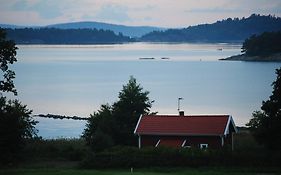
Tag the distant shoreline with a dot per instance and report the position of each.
(242, 57)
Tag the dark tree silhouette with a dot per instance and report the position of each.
(262, 45)
(114, 125)
(100, 129)
(16, 124)
(266, 124)
(133, 101)
(7, 57)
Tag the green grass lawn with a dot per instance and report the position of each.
(166, 171)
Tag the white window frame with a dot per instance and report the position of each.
(204, 146)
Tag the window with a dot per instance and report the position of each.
(203, 146)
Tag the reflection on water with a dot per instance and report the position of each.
(129, 52)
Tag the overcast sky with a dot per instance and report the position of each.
(162, 13)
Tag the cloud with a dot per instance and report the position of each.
(45, 9)
(114, 13)
(212, 10)
(163, 13)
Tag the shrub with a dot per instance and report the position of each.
(56, 149)
(126, 157)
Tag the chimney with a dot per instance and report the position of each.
(181, 113)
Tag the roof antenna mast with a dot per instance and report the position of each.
(179, 99)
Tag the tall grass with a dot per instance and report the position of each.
(56, 149)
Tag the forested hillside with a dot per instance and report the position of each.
(132, 31)
(67, 36)
(228, 30)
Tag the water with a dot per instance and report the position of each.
(77, 79)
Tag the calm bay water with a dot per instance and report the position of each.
(77, 79)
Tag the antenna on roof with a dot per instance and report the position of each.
(179, 99)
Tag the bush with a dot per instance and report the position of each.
(16, 127)
(57, 149)
(126, 157)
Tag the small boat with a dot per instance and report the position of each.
(165, 58)
(146, 58)
(219, 49)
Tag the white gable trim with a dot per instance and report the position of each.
(183, 143)
(138, 124)
(229, 121)
(156, 145)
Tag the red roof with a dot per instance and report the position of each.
(182, 125)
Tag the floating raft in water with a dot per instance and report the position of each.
(147, 58)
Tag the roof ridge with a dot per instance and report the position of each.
(200, 115)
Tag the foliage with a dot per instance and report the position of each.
(65, 36)
(126, 157)
(262, 45)
(228, 30)
(16, 125)
(54, 150)
(133, 101)
(151, 171)
(7, 56)
(266, 125)
(114, 125)
(100, 129)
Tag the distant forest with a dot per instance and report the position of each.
(263, 45)
(65, 36)
(228, 30)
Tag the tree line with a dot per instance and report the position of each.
(65, 36)
(228, 30)
(266, 44)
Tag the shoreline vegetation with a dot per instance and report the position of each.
(223, 31)
(265, 47)
(243, 57)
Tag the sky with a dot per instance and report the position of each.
(161, 13)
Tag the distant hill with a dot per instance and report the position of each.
(228, 30)
(65, 36)
(11, 26)
(5, 26)
(132, 31)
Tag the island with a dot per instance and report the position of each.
(264, 47)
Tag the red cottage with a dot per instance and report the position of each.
(196, 131)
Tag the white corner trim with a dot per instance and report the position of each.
(139, 142)
(230, 120)
(157, 143)
(183, 143)
(138, 124)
